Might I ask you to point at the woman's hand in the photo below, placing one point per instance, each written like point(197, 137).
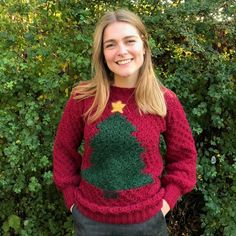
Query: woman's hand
point(71, 208)
point(165, 207)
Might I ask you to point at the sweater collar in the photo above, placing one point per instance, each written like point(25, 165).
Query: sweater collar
point(122, 91)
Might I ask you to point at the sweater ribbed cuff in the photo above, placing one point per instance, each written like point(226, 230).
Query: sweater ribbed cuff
point(172, 194)
point(69, 197)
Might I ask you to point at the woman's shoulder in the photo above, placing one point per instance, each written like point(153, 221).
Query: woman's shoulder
point(173, 103)
point(171, 99)
point(169, 94)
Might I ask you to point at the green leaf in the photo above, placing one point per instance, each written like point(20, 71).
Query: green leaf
point(5, 226)
point(14, 222)
point(233, 188)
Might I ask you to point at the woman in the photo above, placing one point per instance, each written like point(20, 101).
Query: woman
point(118, 187)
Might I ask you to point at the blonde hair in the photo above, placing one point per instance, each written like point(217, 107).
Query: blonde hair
point(148, 91)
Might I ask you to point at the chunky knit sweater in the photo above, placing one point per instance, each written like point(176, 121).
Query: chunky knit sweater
point(119, 178)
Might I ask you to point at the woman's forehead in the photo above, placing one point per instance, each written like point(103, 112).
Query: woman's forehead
point(119, 30)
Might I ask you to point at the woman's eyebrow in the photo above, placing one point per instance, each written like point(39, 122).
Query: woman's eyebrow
point(126, 37)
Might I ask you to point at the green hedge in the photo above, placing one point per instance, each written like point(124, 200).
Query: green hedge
point(45, 48)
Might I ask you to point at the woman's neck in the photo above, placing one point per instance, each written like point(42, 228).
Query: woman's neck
point(125, 82)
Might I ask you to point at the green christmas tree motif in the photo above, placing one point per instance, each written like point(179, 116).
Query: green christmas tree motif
point(116, 162)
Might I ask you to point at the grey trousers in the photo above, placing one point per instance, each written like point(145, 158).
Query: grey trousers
point(156, 226)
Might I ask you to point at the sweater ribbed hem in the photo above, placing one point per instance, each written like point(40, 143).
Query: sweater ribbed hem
point(133, 217)
point(119, 212)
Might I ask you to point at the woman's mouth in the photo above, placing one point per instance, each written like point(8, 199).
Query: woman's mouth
point(123, 62)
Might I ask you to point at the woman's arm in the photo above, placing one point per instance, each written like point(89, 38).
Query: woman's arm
point(66, 158)
point(181, 154)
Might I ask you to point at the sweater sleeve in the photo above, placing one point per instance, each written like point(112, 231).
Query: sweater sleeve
point(66, 158)
point(181, 154)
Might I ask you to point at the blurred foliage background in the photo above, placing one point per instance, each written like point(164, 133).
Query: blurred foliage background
point(45, 48)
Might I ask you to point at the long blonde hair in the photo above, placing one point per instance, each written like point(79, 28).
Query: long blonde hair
point(148, 91)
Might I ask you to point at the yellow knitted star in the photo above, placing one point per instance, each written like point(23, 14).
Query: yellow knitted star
point(118, 106)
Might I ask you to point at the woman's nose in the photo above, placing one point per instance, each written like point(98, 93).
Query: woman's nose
point(122, 49)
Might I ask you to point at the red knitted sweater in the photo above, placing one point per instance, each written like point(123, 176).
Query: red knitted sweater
point(119, 178)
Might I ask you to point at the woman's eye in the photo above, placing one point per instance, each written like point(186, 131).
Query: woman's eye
point(109, 45)
point(131, 41)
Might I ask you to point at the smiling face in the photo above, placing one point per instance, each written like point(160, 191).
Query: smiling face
point(124, 52)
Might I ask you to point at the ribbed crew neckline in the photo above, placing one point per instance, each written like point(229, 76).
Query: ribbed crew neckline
point(120, 90)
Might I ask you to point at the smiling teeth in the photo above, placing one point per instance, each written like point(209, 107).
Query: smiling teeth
point(124, 62)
